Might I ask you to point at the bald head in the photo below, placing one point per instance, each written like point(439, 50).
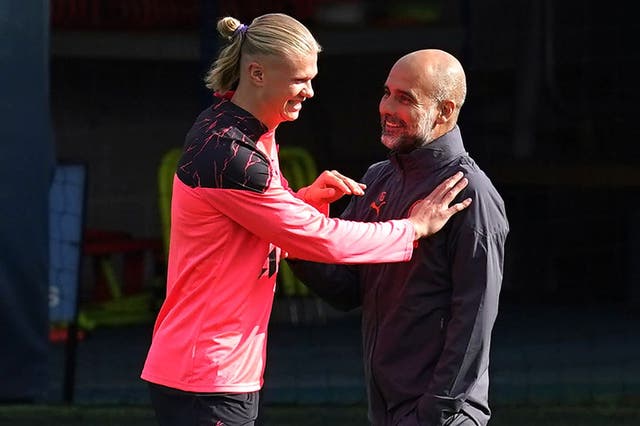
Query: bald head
point(423, 94)
point(438, 73)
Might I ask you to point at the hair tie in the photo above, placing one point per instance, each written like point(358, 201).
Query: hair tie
point(240, 30)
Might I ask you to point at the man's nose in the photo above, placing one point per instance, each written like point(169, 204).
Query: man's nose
point(386, 105)
point(308, 90)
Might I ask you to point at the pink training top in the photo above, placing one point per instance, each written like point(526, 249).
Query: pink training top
point(232, 213)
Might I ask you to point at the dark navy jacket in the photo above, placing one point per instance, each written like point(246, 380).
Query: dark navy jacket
point(426, 323)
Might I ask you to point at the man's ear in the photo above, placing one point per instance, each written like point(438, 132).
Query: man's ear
point(447, 108)
point(256, 73)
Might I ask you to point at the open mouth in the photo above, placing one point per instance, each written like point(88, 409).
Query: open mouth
point(295, 105)
point(392, 126)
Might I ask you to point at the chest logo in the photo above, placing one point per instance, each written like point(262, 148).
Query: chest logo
point(271, 264)
point(379, 202)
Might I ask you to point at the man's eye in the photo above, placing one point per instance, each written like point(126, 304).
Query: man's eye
point(405, 99)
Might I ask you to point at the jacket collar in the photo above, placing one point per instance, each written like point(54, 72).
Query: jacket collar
point(440, 150)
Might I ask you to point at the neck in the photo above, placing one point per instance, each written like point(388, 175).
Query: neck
point(250, 103)
point(267, 143)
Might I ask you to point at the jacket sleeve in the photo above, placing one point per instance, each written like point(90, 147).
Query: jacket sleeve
point(277, 216)
point(338, 285)
point(477, 262)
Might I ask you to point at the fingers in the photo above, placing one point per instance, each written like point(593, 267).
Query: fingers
point(330, 186)
point(458, 207)
point(447, 185)
point(355, 188)
point(343, 183)
point(459, 183)
point(453, 192)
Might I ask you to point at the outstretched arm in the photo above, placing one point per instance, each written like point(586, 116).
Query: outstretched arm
point(428, 215)
point(339, 285)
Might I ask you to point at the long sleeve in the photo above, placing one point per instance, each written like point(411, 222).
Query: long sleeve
point(477, 276)
point(277, 216)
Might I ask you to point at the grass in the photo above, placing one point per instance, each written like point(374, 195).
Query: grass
point(600, 414)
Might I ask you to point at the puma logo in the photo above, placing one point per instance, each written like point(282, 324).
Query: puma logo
point(377, 205)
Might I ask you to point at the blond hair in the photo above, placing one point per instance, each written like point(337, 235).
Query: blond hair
point(270, 34)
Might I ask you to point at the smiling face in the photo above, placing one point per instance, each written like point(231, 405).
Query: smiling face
point(407, 114)
point(285, 86)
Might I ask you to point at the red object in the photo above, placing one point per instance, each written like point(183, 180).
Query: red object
point(61, 334)
point(100, 244)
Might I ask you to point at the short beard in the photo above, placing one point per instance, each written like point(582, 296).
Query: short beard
point(402, 143)
point(407, 143)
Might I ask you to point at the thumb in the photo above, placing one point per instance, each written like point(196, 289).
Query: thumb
point(319, 195)
point(326, 193)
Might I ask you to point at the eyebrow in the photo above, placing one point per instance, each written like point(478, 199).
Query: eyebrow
point(403, 92)
point(305, 76)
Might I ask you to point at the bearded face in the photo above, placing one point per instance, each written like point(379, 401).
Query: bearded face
point(404, 130)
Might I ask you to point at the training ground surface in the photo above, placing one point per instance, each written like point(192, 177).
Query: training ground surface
point(549, 415)
point(550, 366)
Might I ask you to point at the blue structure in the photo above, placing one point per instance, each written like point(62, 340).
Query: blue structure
point(26, 164)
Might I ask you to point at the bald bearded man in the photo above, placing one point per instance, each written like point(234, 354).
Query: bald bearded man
point(426, 323)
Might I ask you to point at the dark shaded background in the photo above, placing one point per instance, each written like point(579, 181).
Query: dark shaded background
point(548, 116)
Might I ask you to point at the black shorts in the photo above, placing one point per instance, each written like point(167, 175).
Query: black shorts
point(174, 407)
